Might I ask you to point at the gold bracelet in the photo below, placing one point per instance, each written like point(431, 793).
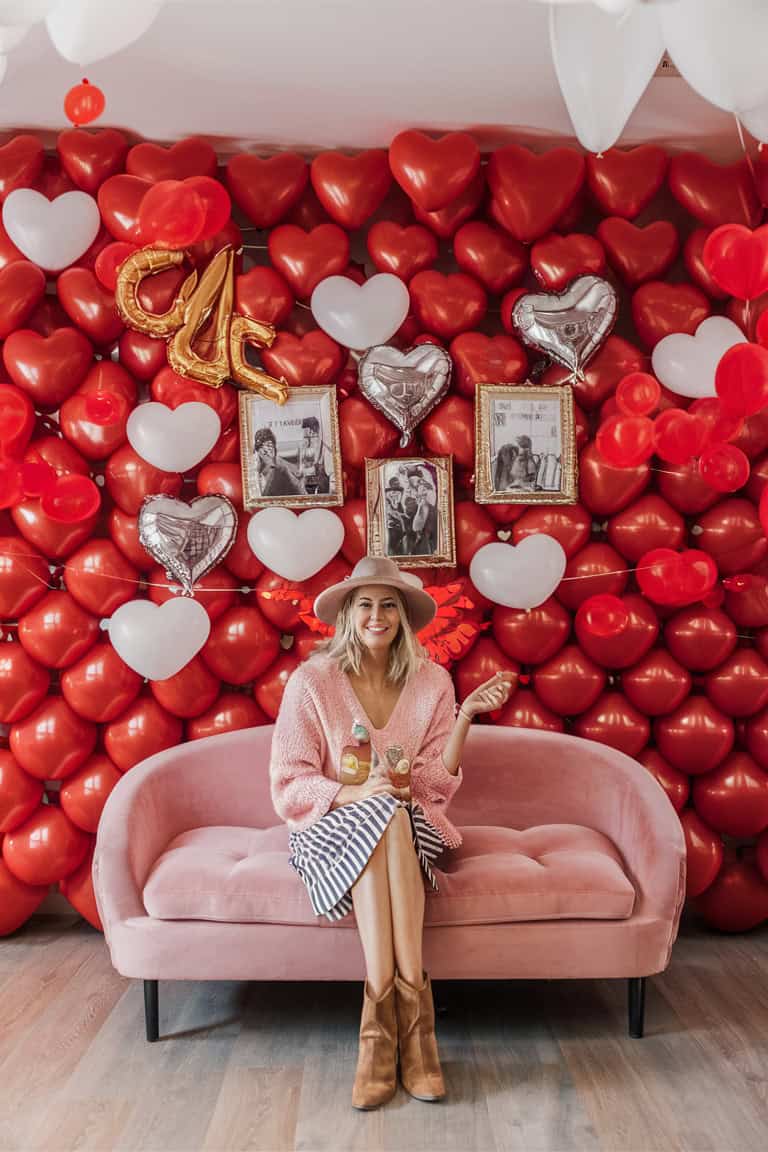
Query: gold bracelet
point(465, 715)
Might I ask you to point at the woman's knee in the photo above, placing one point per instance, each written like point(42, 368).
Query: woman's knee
point(399, 834)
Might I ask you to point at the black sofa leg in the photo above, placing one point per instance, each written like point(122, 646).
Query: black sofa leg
point(151, 1013)
point(636, 989)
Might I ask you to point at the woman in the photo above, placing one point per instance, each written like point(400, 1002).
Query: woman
point(368, 839)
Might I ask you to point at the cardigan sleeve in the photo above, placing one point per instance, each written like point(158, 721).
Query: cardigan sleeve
point(430, 777)
point(301, 792)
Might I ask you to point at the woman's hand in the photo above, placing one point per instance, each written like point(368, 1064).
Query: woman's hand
point(489, 696)
point(373, 786)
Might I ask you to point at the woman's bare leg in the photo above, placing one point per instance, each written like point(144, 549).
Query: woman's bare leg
point(371, 901)
point(406, 894)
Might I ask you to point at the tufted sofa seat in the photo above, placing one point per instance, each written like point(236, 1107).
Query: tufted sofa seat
point(572, 866)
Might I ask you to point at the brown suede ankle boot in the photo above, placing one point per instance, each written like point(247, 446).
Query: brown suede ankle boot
point(419, 1062)
point(376, 1078)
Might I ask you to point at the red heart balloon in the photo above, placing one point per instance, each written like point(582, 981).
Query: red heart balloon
point(89, 305)
point(693, 258)
point(732, 534)
point(53, 742)
point(269, 690)
point(556, 260)
point(53, 181)
point(144, 356)
point(678, 435)
point(109, 260)
point(143, 729)
point(741, 379)
point(22, 287)
point(434, 172)
point(153, 162)
point(351, 188)
point(624, 182)
point(660, 309)
point(616, 359)
point(739, 687)
point(737, 260)
point(525, 710)
point(614, 720)
point(24, 577)
point(445, 221)
point(531, 636)
point(216, 590)
point(94, 440)
point(45, 848)
point(48, 368)
point(494, 258)
point(310, 359)
point(571, 527)
point(9, 253)
point(119, 199)
point(267, 189)
point(124, 532)
point(675, 578)
point(99, 686)
point(714, 193)
point(263, 295)
point(450, 429)
point(21, 162)
point(474, 529)
point(90, 158)
point(487, 359)
point(639, 254)
point(700, 638)
point(625, 441)
point(130, 479)
point(656, 684)
point(364, 432)
point(447, 305)
point(17, 420)
point(242, 645)
point(737, 901)
point(20, 794)
point(23, 683)
point(230, 712)
point(171, 389)
point(649, 522)
point(532, 192)
point(605, 489)
point(100, 578)
point(401, 251)
point(306, 258)
point(57, 631)
point(221, 478)
point(85, 793)
point(569, 682)
point(625, 648)
point(201, 252)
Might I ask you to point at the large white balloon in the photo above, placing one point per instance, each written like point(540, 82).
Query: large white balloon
point(361, 315)
point(606, 5)
point(295, 547)
point(158, 640)
point(51, 233)
point(519, 576)
point(603, 64)
point(86, 30)
point(687, 364)
point(719, 47)
point(173, 439)
point(755, 120)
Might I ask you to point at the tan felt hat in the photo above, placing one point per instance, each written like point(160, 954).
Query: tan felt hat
point(377, 570)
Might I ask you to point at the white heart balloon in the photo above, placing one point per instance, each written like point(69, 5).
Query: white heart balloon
point(173, 439)
point(158, 640)
point(520, 575)
point(86, 30)
point(361, 315)
point(51, 233)
point(295, 547)
point(687, 364)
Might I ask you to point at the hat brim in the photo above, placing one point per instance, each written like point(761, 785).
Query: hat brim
point(420, 605)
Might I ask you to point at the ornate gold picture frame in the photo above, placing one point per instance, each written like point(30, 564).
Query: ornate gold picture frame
point(290, 453)
point(525, 445)
point(410, 510)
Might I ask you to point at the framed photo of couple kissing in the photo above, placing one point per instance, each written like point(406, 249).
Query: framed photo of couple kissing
point(409, 506)
point(290, 453)
point(525, 445)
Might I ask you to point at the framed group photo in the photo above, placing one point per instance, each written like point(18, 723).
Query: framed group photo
point(525, 445)
point(409, 503)
point(290, 453)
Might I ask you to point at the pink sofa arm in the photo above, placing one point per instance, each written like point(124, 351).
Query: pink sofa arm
point(216, 781)
point(522, 777)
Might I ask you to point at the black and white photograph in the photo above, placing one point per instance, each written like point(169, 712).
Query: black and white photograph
point(290, 453)
point(410, 509)
point(525, 446)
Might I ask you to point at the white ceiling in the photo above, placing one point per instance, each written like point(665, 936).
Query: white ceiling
point(352, 73)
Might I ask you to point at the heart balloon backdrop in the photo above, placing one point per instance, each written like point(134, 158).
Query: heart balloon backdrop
point(404, 278)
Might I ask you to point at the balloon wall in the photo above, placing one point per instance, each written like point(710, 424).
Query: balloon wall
point(637, 616)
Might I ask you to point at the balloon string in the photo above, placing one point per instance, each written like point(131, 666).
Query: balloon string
point(751, 166)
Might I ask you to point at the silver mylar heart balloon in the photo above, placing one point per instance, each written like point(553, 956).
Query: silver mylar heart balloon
point(569, 326)
point(405, 386)
point(187, 539)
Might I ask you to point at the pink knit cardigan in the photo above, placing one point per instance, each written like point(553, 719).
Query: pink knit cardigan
point(315, 721)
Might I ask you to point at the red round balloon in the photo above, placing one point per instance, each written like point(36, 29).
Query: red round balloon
point(649, 522)
point(17, 900)
point(674, 782)
point(100, 578)
point(569, 682)
point(532, 636)
point(241, 646)
point(739, 686)
point(23, 683)
point(700, 638)
point(84, 103)
point(570, 526)
point(130, 479)
point(733, 798)
point(605, 489)
point(24, 577)
point(171, 215)
point(614, 720)
point(603, 615)
point(100, 686)
point(53, 741)
point(678, 435)
point(190, 692)
point(682, 486)
point(525, 710)
point(724, 467)
point(638, 394)
point(657, 684)
point(268, 691)
point(738, 899)
point(732, 534)
point(17, 419)
point(46, 847)
point(216, 591)
point(232, 711)
point(626, 647)
point(596, 569)
point(77, 887)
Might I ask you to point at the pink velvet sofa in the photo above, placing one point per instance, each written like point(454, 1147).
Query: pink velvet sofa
point(573, 865)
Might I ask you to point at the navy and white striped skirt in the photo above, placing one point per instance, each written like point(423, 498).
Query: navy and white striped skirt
point(330, 855)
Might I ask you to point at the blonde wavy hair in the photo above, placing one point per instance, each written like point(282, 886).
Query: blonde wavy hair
point(405, 653)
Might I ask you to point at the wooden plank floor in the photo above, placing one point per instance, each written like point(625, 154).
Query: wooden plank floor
point(530, 1066)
